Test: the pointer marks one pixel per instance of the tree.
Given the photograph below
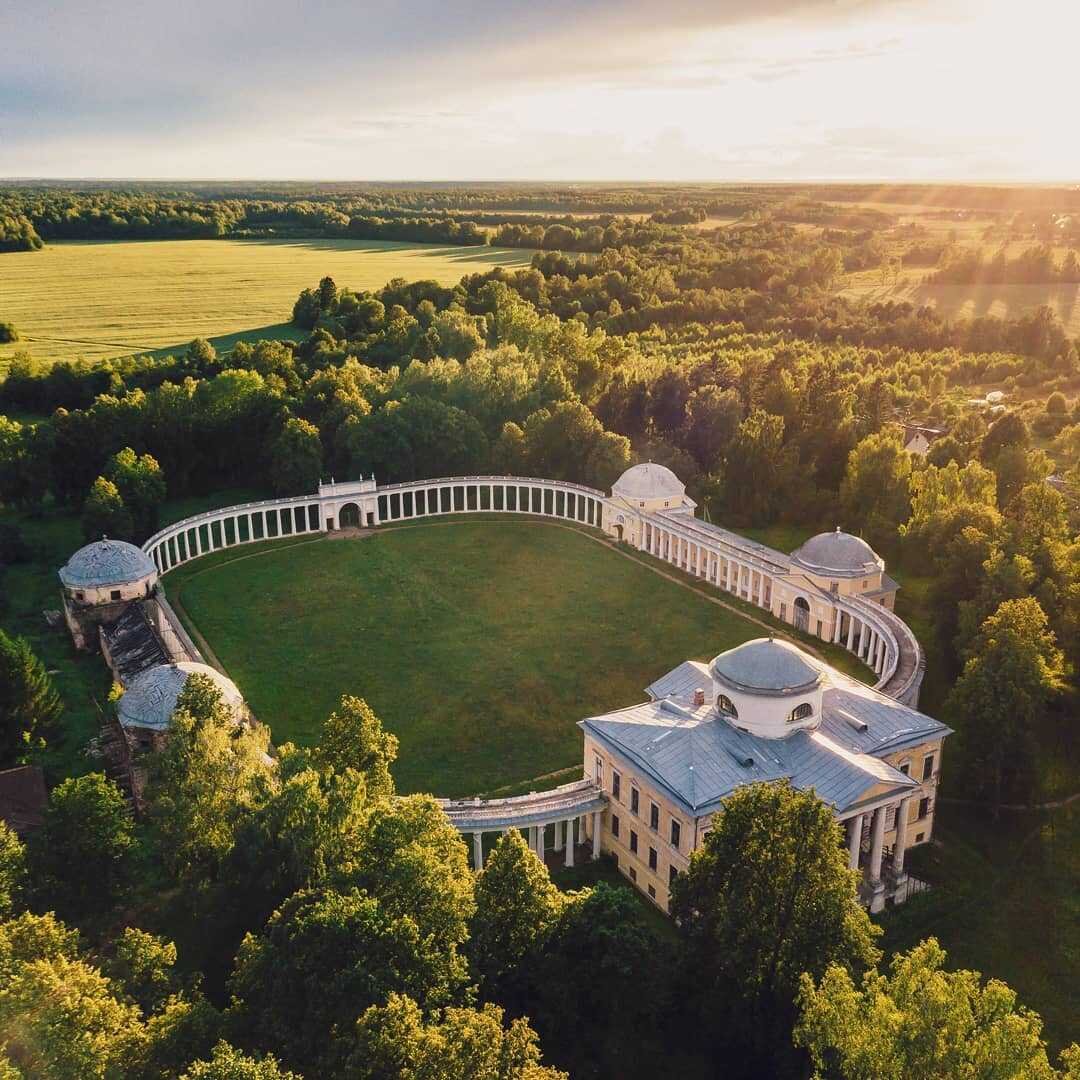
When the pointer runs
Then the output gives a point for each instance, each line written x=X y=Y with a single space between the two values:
x=517 y=907
x=760 y=469
x=918 y=1021
x=322 y=959
x=566 y=442
x=104 y=513
x=12 y=871
x=141 y=486
x=296 y=458
x=29 y=703
x=60 y=1020
x=352 y=737
x=712 y=420
x=83 y=855
x=768 y=897
x=875 y=488
x=1012 y=669
x=143 y=965
x=206 y=780
x=393 y=1040
x=227 y=1063
x=1010 y=429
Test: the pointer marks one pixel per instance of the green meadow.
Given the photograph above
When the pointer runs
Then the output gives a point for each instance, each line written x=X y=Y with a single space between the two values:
x=99 y=300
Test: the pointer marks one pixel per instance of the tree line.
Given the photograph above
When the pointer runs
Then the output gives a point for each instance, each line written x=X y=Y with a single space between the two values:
x=360 y=945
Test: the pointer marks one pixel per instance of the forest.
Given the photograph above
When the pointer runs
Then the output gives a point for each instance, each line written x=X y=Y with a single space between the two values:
x=730 y=354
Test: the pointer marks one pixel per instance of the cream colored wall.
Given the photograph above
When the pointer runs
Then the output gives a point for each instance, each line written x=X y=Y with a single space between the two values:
x=693 y=828
x=927 y=789
x=619 y=846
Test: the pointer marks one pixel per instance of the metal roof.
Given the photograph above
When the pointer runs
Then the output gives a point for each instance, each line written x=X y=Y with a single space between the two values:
x=837 y=553
x=150 y=698
x=106 y=562
x=766 y=666
x=699 y=758
x=649 y=481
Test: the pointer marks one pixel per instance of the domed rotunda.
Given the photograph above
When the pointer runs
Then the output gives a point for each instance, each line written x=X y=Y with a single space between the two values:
x=767 y=687
x=99 y=582
x=838 y=554
x=146 y=707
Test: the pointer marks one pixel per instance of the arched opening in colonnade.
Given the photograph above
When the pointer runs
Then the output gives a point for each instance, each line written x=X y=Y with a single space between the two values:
x=349 y=516
x=802 y=614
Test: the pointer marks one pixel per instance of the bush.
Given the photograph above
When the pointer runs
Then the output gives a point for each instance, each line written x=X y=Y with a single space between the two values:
x=8 y=333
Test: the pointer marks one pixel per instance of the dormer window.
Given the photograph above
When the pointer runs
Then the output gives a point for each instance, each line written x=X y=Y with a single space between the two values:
x=726 y=706
x=801 y=712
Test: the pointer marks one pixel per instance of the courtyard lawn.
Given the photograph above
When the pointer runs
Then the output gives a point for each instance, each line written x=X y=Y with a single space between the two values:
x=99 y=300
x=480 y=644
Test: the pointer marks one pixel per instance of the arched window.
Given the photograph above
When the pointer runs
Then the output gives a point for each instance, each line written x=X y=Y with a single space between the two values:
x=801 y=712
x=726 y=706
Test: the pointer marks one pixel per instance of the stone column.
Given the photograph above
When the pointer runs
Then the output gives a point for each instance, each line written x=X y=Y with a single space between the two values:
x=839 y=626
x=560 y=835
x=851 y=633
x=596 y=834
x=873 y=870
x=570 y=842
x=901 y=839
x=854 y=840
x=478 y=851
x=540 y=830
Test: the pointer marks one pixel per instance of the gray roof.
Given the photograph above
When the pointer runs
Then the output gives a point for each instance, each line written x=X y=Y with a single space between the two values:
x=132 y=644
x=150 y=698
x=106 y=562
x=699 y=758
x=649 y=481
x=766 y=666
x=837 y=553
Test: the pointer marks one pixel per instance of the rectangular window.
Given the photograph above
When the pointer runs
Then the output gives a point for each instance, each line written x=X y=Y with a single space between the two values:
x=614 y=824
x=633 y=841
x=672 y=874
x=652 y=858
x=905 y=768
x=920 y=837
x=676 y=834
x=654 y=817
x=924 y=808
x=616 y=784
x=598 y=770
x=652 y=893
x=928 y=766
x=634 y=800
x=633 y=873
x=115 y=594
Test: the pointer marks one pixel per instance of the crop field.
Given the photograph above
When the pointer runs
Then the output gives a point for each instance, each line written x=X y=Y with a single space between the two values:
x=1006 y=301
x=99 y=300
x=480 y=644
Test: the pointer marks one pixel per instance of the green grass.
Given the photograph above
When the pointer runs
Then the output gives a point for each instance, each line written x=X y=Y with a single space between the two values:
x=1006 y=902
x=480 y=644
x=99 y=300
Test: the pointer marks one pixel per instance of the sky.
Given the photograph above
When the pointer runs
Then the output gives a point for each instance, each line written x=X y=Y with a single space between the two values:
x=540 y=89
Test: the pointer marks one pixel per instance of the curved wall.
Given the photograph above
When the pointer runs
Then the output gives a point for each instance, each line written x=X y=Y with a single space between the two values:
x=868 y=629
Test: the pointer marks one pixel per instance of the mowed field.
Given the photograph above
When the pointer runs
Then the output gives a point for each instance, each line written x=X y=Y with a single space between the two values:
x=972 y=301
x=99 y=300
x=479 y=644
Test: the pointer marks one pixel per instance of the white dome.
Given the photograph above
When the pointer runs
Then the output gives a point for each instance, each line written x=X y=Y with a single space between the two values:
x=150 y=698
x=837 y=553
x=649 y=481
x=767 y=666
x=106 y=562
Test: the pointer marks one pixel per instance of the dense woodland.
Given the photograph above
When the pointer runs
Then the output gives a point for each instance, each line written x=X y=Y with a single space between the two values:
x=370 y=949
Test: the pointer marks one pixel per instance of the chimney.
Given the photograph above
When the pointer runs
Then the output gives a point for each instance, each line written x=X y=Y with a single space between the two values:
x=699 y=698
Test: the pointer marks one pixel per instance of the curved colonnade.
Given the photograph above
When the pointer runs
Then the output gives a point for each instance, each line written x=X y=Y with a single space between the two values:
x=746 y=570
